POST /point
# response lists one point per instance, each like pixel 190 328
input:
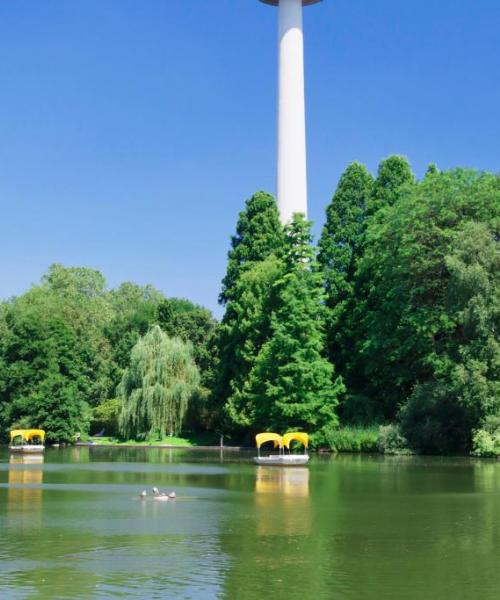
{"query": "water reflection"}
pixel 345 527
pixel 25 478
pixel 282 501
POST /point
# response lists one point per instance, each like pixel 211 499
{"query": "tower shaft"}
pixel 292 171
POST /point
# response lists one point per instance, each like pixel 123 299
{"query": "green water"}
pixel 346 527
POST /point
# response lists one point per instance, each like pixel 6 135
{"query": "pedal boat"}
pixel 284 458
pixel 27 441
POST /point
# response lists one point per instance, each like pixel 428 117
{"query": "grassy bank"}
pixel 370 439
pixel 200 439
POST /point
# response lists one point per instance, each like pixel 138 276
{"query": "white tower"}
pixel 292 170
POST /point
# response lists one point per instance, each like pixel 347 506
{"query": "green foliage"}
pixel 392 441
pixel 134 309
pixel 486 444
pixel 486 441
pixel 352 439
pixel 342 237
pixel 258 235
pixel 157 386
pixel 105 417
pixel 192 323
pixel 465 387
pixel 253 267
pixel 394 174
pixel 340 247
pixel 292 385
pixel 405 329
pixel 242 338
pixel 474 304
pixel 54 357
pixel 357 333
pixel 65 343
pixel 404 302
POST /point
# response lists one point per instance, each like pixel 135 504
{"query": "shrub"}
pixel 352 439
pixel 105 417
pixel 432 421
pixel 486 441
pixel 392 441
pixel 485 444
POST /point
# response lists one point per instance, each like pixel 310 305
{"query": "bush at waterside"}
pixel 354 439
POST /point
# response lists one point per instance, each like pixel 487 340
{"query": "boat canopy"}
pixel 263 438
pixel 296 436
pixel 27 434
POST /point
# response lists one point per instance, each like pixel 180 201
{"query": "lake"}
pixel 346 527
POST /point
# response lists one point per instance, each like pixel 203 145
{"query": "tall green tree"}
pixel 340 248
pixel 394 173
pixel 48 368
pixel 403 325
pixel 258 234
pixel 292 385
pixel 254 303
pixel 245 293
pixel 157 386
pixel 464 392
pixel 394 180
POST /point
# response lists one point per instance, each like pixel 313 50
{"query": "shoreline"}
pixel 165 446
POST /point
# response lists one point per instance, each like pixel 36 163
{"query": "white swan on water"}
pixel 162 496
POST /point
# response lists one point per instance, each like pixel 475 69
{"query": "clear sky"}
pixel 132 131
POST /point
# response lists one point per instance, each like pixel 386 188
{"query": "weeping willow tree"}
pixel 157 386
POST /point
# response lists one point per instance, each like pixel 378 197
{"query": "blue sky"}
pixel 131 132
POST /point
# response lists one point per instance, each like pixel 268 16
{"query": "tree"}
pixel 292 385
pixel 157 386
pixel 394 180
pixel 190 322
pixel 464 393
pixel 54 353
pixel 406 331
pixel 194 324
pixel 134 309
pixel 340 248
pixel 394 173
pixel 242 339
pixel 258 234
pixel 259 239
pixel 47 383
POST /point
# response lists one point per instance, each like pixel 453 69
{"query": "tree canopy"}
pixel 393 319
pixel 157 386
pixel 292 385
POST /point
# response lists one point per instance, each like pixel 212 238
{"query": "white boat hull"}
pixel 25 449
pixel 286 460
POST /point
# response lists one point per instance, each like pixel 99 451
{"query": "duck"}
pixel 172 495
pixel 143 494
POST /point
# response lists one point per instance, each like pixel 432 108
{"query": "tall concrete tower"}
pixel 292 169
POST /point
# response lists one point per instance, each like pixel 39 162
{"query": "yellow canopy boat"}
pixel 281 442
pixel 27 440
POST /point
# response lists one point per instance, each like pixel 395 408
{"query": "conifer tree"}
pixel 394 179
pixel 251 272
pixel 157 386
pixel 393 174
pixel 252 308
pixel 258 234
pixel 292 385
pixel 340 246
